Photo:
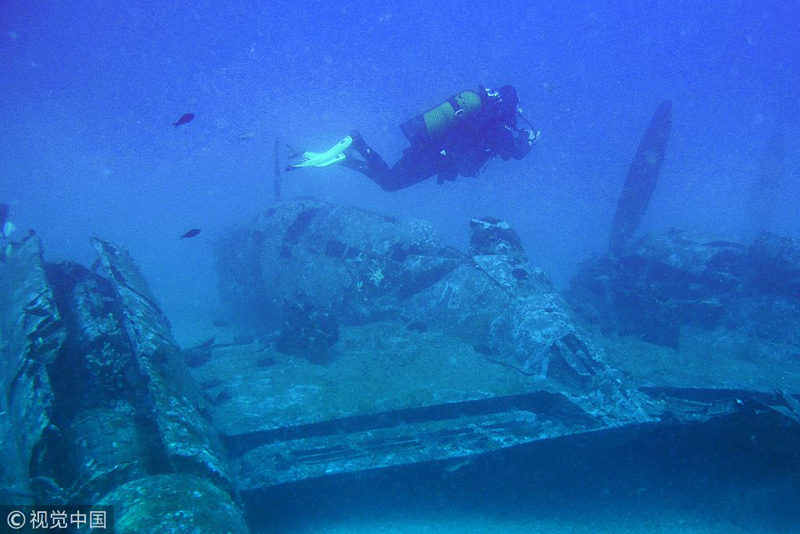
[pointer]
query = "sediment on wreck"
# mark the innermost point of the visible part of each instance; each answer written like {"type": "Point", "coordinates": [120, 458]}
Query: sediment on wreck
{"type": "Point", "coordinates": [112, 414]}
{"type": "Point", "coordinates": [364, 267]}
{"type": "Point", "coordinates": [673, 280]}
{"type": "Point", "coordinates": [359, 265]}
{"type": "Point", "coordinates": [32, 333]}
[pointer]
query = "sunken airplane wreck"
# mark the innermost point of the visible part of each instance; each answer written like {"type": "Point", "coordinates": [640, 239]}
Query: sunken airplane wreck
{"type": "Point", "coordinates": [375, 347]}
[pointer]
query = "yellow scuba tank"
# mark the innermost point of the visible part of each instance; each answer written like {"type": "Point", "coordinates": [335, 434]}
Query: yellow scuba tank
{"type": "Point", "coordinates": [439, 120]}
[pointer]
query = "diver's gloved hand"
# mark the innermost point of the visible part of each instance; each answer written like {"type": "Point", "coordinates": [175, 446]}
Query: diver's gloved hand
{"type": "Point", "coordinates": [446, 170]}
{"type": "Point", "coordinates": [523, 142]}
{"type": "Point", "coordinates": [533, 136]}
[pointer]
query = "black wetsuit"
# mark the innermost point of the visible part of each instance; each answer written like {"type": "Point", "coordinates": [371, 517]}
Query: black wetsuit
{"type": "Point", "coordinates": [463, 150]}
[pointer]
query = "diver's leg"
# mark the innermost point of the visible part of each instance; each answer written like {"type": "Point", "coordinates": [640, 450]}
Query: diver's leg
{"type": "Point", "coordinates": [359, 166]}
{"type": "Point", "coordinates": [373, 165]}
{"type": "Point", "coordinates": [414, 167]}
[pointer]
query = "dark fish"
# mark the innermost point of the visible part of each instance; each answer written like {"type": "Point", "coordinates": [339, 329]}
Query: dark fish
{"type": "Point", "coordinates": [266, 362]}
{"type": "Point", "coordinates": [187, 117]}
{"type": "Point", "coordinates": [3, 214]}
{"type": "Point", "coordinates": [214, 382]}
{"type": "Point", "coordinates": [486, 350]}
{"type": "Point", "coordinates": [191, 233]}
{"type": "Point", "coordinates": [207, 344]}
{"type": "Point", "coordinates": [417, 326]}
{"type": "Point", "coordinates": [222, 397]}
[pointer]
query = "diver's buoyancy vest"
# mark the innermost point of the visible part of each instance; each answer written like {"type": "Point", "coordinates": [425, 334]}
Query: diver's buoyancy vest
{"type": "Point", "coordinates": [439, 120]}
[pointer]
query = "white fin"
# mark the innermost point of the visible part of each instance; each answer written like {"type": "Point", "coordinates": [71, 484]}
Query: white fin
{"type": "Point", "coordinates": [322, 159]}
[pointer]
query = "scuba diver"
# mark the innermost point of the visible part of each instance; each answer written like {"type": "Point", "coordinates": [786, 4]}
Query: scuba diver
{"type": "Point", "coordinates": [457, 137]}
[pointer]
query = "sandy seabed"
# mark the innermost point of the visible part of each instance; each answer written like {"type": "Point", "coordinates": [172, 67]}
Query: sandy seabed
{"type": "Point", "coordinates": [675, 525]}
{"type": "Point", "coordinates": [645, 522]}
{"type": "Point", "coordinates": [485, 526]}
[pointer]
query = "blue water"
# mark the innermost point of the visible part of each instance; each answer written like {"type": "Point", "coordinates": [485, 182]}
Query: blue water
{"type": "Point", "coordinates": [89, 94]}
{"type": "Point", "coordinates": [89, 91]}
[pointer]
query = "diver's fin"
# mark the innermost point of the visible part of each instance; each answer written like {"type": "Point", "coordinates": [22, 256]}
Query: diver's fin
{"type": "Point", "coordinates": [323, 159]}
{"type": "Point", "coordinates": [319, 159]}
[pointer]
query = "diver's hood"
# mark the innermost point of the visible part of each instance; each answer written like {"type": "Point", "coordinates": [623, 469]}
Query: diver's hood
{"type": "Point", "coordinates": [503, 99]}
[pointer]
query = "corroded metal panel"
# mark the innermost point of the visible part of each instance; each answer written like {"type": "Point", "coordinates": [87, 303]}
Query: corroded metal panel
{"type": "Point", "coordinates": [31, 333]}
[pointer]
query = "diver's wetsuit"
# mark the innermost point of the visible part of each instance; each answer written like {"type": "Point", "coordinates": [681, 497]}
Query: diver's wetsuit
{"type": "Point", "coordinates": [463, 150]}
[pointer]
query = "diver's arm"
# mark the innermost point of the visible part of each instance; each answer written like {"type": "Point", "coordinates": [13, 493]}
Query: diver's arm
{"type": "Point", "coordinates": [507, 142]}
{"type": "Point", "coordinates": [523, 142]}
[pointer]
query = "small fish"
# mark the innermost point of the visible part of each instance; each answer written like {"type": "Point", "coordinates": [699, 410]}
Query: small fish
{"type": "Point", "coordinates": [222, 397]}
{"type": "Point", "coordinates": [208, 384]}
{"type": "Point", "coordinates": [417, 326]}
{"type": "Point", "coordinates": [486, 350]}
{"type": "Point", "coordinates": [247, 136]}
{"type": "Point", "coordinates": [207, 344]}
{"type": "Point", "coordinates": [191, 233]}
{"type": "Point", "coordinates": [187, 117]}
{"type": "Point", "coordinates": [266, 362]}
